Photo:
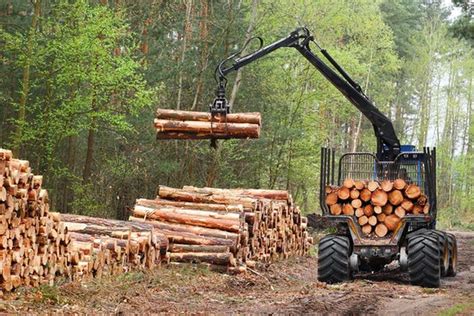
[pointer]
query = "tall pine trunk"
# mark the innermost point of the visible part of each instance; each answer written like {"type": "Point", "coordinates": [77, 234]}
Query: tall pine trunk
{"type": "Point", "coordinates": [25, 81]}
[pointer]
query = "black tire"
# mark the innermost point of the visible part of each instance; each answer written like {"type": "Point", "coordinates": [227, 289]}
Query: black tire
{"type": "Point", "coordinates": [443, 250]}
{"type": "Point", "coordinates": [333, 259]}
{"type": "Point", "coordinates": [453, 255]}
{"type": "Point", "coordinates": [423, 260]}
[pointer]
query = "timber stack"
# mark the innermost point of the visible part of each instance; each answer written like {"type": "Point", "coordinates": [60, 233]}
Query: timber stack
{"type": "Point", "coordinates": [175, 124]}
{"type": "Point", "coordinates": [116, 246]}
{"type": "Point", "coordinates": [228, 228]}
{"type": "Point", "coordinates": [233, 228]}
{"type": "Point", "coordinates": [37, 245]}
{"type": "Point", "coordinates": [34, 248]}
{"type": "Point", "coordinates": [377, 206]}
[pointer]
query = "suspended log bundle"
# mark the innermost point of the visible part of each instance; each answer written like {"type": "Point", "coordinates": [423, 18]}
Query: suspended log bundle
{"type": "Point", "coordinates": [175, 124]}
{"type": "Point", "coordinates": [233, 228]}
{"type": "Point", "coordinates": [377, 207]}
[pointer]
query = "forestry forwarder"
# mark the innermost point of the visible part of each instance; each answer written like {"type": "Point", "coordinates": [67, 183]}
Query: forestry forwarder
{"type": "Point", "coordinates": [426, 253]}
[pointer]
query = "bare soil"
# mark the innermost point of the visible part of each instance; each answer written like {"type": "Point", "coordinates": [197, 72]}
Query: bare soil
{"type": "Point", "coordinates": [287, 287]}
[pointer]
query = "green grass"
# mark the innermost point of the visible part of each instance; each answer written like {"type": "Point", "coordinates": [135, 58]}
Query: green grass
{"type": "Point", "coordinates": [457, 309]}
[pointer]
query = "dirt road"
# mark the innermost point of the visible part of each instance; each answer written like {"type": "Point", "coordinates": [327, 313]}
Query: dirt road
{"type": "Point", "coordinates": [289, 287]}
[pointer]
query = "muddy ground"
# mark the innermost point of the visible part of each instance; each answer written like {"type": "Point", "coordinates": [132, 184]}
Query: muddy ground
{"type": "Point", "coordinates": [288, 287]}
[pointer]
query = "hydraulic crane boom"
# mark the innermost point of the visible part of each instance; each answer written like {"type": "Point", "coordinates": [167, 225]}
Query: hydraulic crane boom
{"type": "Point", "coordinates": [388, 145]}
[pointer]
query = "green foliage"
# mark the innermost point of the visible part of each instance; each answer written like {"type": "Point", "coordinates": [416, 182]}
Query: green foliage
{"type": "Point", "coordinates": [97, 72]}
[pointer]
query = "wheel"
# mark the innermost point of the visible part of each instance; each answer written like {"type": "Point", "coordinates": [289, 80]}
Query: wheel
{"type": "Point", "coordinates": [333, 259]}
{"type": "Point", "coordinates": [443, 250]}
{"type": "Point", "coordinates": [424, 260]}
{"type": "Point", "coordinates": [453, 255]}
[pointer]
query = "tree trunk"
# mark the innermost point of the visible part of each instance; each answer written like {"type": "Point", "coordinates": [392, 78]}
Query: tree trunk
{"type": "Point", "coordinates": [204, 58]}
{"type": "Point", "coordinates": [89, 154]}
{"type": "Point", "coordinates": [248, 35]}
{"type": "Point", "coordinates": [25, 82]}
{"type": "Point", "coordinates": [186, 35]}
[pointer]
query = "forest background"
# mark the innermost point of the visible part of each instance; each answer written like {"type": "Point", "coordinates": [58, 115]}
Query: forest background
{"type": "Point", "coordinates": [80, 82]}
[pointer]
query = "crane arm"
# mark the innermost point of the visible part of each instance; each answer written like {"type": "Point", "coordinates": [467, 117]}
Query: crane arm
{"type": "Point", "coordinates": [388, 145]}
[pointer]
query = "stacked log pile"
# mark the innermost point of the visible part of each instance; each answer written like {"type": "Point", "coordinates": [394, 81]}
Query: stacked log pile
{"type": "Point", "coordinates": [175, 124]}
{"type": "Point", "coordinates": [37, 245]}
{"type": "Point", "coordinates": [234, 228]}
{"type": "Point", "coordinates": [377, 206]}
{"type": "Point", "coordinates": [116, 246]}
{"type": "Point", "coordinates": [33, 247]}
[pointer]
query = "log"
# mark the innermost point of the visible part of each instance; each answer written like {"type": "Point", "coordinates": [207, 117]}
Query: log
{"type": "Point", "coordinates": [379, 198]}
{"type": "Point", "coordinates": [422, 200]}
{"type": "Point", "coordinates": [372, 220]}
{"type": "Point", "coordinates": [386, 185]}
{"type": "Point", "coordinates": [407, 205]}
{"type": "Point", "coordinates": [198, 248]}
{"type": "Point", "coordinates": [377, 210]}
{"type": "Point", "coordinates": [395, 197]}
{"type": "Point", "coordinates": [372, 186]}
{"type": "Point", "coordinates": [167, 114]}
{"type": "Point", "coordinates": [368, 210]}
{"type": "Point", "coordinates": [211, 130]}
{"type": "Point", "coordinates": [191, 205]}
{"type": "Point", "coordinates": [348, 183]}
{"type": "Point", "coordinates": [226, 259]}
{"type": "Point", "coordinates": [200, 136]}
{"type": "Point", "coordinates": [354, 194]}
{"type": "Point", "coordinates": [336, 209]}
{"type": "Point", "coordinates": [381, 230]}
{"type": "Point", "coordinates": [417, 210]}
{"type": "Point", "coordinates": [356, 203]}
{"type": "Point", "coordinates": [426, 209]}
{"type": "Point", "coordinates": [206, 213]}
{"type": "Point", "coordinates": [381, 217]}
{"type": "Point", "coordinates": [112, 223]}
{"type": "Point", "coordinates": [201, 231]}
{"type": "Point", "coordinates": [359, 212]}
{"type": "Point", "coordinates": [331, 198]}
{"type": "Point", "coordinates": [399, 184]}
{"type": "Point", "coordinates": [255, 193]}
{"type": "Point", "coordinates": [343, 193]}
{"type": "Point", "coordinates": [182, 195]}
{"type": "Point", "coordinates": [400, 212]}
{"type": "Point", "coordinates": [174, 217]}
{"type": "Point", "coordinates": [387, 209]}
{"type": "Point", "coordinates": [328, 189]}
{"type": "Point", "coordinates": [91, 229]}
{"type": "Point", "coordinates": [347, 209]}
{"type": "Point", "coordinates": [176, 237]}
{"type": "Point", "coordinates": [413, 191]}
{"type": "Point", "coordinates": [359, 185]}
{"type": "Point", "coordinates": [367, 229]}
{"type": "Point", "coordinates": [363, 220]}
{"type": "Point", "coordinates": [391, 222]}
{"type": "Point", "coordinates": [365, 195]}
